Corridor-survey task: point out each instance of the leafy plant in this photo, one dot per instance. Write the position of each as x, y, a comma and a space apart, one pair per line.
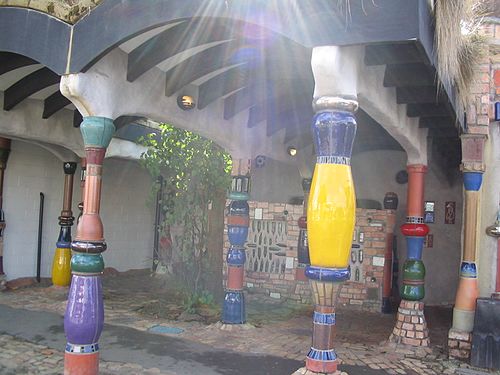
198, 299
194, 171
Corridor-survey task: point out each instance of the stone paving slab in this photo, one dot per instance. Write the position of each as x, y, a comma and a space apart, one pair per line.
288, 339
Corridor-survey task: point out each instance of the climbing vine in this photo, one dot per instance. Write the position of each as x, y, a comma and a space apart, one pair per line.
194, 171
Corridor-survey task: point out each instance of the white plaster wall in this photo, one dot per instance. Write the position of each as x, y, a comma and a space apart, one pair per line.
128, 221
127, 215
276, 182
374, 174
490, 193
30, 170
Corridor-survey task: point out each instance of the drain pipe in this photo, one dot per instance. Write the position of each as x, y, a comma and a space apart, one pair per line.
40, 227
156, 242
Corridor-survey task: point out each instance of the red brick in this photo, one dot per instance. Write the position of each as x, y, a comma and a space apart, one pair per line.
408, 326
496, 78
410, 341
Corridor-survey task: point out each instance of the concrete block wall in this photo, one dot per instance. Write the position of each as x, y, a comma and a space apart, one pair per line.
128, 221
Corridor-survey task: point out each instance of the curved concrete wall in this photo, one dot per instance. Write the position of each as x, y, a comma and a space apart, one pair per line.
128, 221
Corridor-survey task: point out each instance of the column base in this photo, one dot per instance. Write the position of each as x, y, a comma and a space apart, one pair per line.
233, 311
463, 320
322, 367
81, 364
411, 326
305, 371
459, 344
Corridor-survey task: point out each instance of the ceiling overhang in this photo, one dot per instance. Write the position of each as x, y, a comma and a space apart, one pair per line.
253, 56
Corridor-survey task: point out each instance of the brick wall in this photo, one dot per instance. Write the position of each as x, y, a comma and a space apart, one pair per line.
290, 283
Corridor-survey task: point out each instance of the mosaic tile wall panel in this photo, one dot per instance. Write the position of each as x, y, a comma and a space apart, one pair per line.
266, 246
357, 256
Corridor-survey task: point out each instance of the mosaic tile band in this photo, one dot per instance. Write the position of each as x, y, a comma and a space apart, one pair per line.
415, 220
343, 160
82, 349
322, 318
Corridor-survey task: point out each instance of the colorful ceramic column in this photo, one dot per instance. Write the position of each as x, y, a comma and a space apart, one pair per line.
467, 292
330, 222
389, 244
4, 156
84, 316
61, 271
411, 327
303, 242
238, 220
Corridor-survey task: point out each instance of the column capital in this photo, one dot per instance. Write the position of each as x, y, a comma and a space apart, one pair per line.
416, 168
347, 103
335, 70
97, 131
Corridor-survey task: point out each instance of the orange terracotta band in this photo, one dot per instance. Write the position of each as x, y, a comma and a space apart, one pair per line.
322, 367
467, 293
90, 228
240, 221
81, 364
415, 195
235, 278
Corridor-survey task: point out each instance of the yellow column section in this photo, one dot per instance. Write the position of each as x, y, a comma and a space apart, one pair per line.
61, 270
331, 215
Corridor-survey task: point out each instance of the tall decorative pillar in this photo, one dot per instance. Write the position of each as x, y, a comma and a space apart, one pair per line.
303, 242
330, 221
84, 317
83, 168
61, 271
238, 220
4, 156
411, 326
388, 259
460, 334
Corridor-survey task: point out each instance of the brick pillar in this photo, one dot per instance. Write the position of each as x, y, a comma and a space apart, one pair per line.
411, 327
331, 215
4, 156
61, 271
459, 336
238, 219
84, 317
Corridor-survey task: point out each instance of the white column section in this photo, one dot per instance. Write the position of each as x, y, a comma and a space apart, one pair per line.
104, 91
341, 71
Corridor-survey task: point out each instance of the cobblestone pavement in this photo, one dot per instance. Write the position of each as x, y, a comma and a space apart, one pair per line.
358, 341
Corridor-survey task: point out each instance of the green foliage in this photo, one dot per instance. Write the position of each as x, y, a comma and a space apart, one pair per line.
194, 170
194, 300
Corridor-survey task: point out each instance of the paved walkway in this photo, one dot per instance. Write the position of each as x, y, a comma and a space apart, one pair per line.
31, 337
